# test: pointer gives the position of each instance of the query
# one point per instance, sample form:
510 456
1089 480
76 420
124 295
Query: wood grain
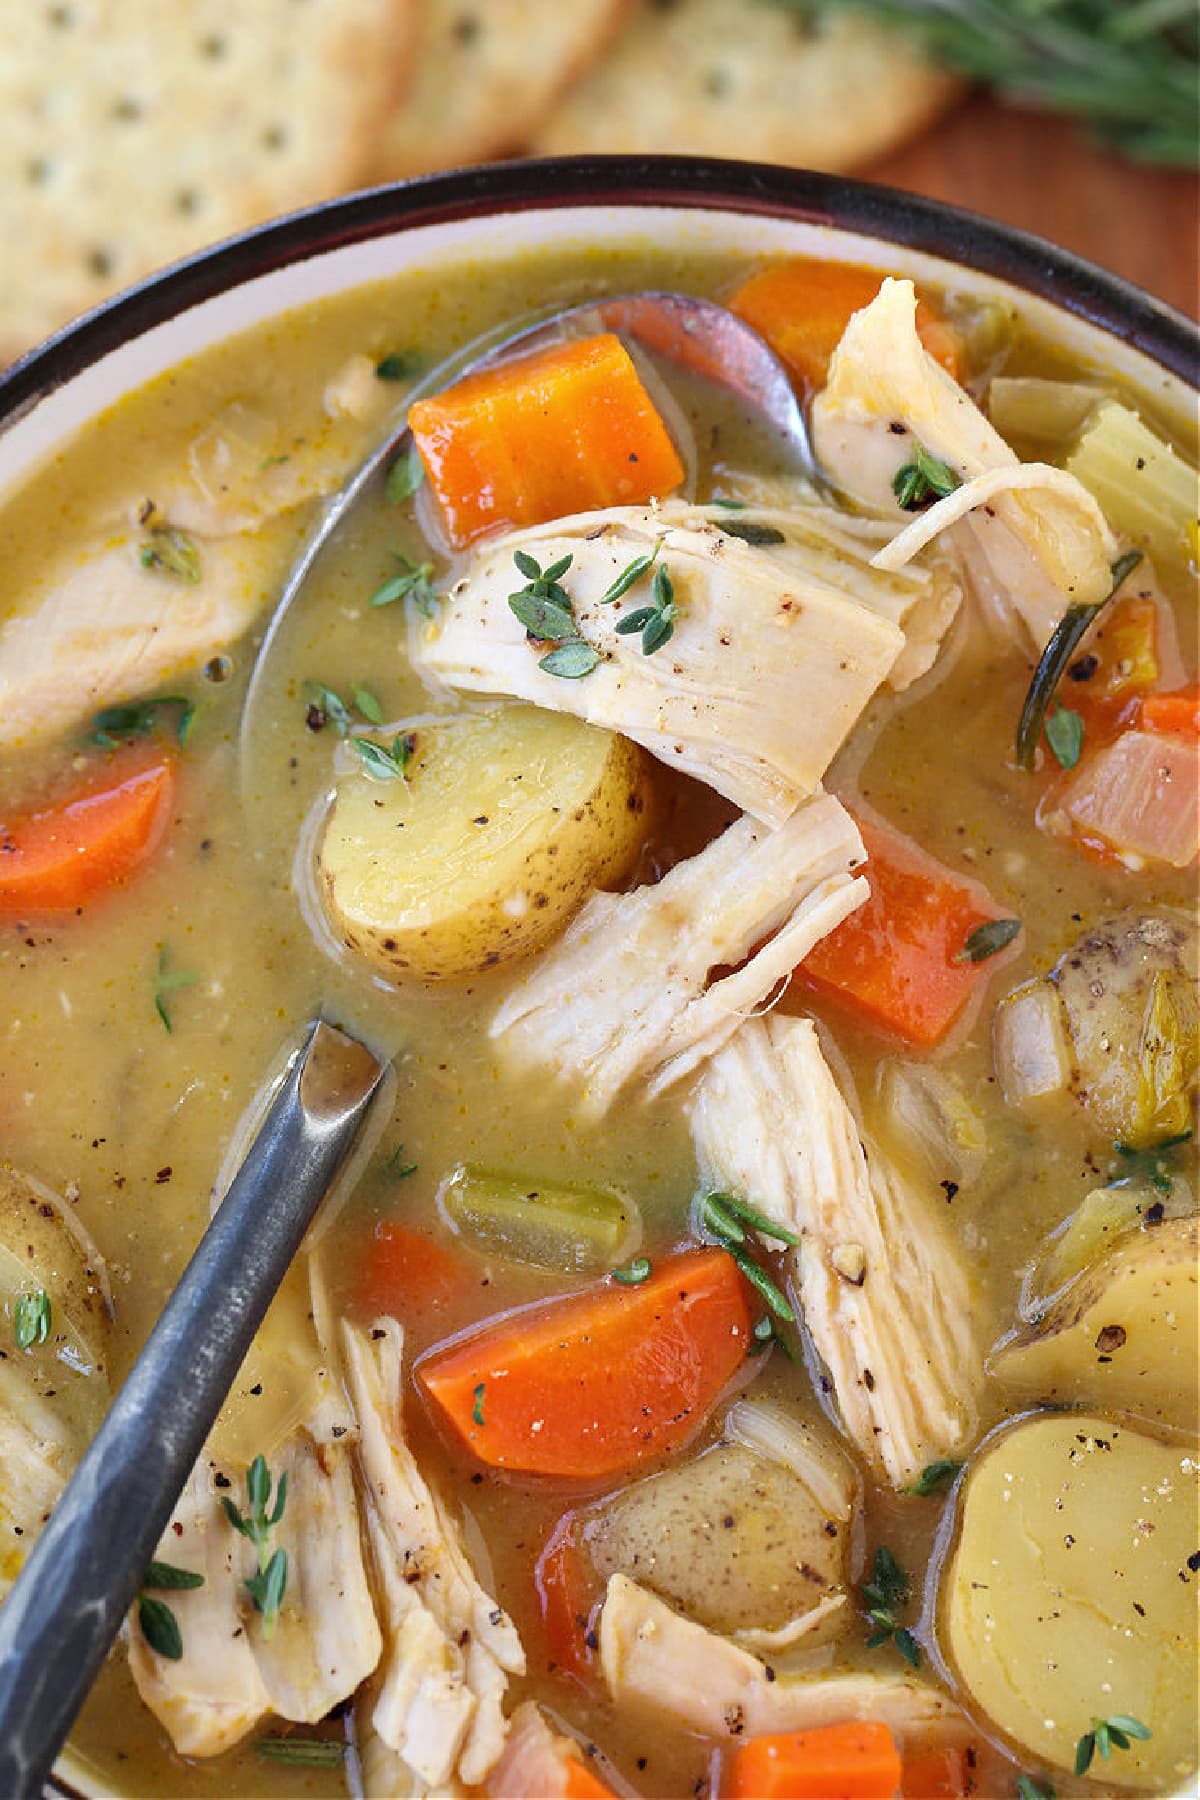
1041 173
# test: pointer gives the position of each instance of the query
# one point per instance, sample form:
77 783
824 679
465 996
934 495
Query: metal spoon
696 335
68 1602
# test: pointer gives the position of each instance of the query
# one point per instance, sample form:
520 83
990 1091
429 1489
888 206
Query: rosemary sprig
730 1221
1129 71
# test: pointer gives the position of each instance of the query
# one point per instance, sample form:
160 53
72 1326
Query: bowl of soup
754 1350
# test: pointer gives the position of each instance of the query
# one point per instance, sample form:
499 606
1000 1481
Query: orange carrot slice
594 1384
566 1601
802 308
857 1761
57 860
892 964
407 1274
560 431
1172 715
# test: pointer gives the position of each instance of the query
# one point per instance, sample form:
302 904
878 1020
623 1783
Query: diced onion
1029 1044
929 1119
772 1431
1140 795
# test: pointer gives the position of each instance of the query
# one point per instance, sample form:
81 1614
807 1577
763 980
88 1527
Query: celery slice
554 1225
1040 411
1167 1058
1146 489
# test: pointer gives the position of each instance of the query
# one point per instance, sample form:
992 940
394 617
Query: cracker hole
62 18
99 263
214 46
38 171
187 201
275 137
127 109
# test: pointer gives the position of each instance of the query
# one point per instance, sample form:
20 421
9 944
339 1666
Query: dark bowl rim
890 215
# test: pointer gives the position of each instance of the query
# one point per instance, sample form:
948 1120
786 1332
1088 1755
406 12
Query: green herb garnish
543 606
656 622
368 706
170 552
1105 1736
160 1627
1064 734
1149 1165
319 1753
1056 657
571 660
731 505
885 1594
1029 1789
398 366
631 574
395 1167
477 1407
750 532
634 1273
987 939
330 705
923 480
933 1477
169 981
114 723
404 477
1129 71
728 1219
413 582
268 1586
31 1319
168 1576
382 764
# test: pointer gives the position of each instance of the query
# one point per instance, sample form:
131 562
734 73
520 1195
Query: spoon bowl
696 336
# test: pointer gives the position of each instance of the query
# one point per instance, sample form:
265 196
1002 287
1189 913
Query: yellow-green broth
133 1120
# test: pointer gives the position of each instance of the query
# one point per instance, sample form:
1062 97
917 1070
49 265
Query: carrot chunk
936 1774
560 431
802 308
582 1783
892 964
594 1384
407 1274
857 1761
566 1601
57 860
1172 715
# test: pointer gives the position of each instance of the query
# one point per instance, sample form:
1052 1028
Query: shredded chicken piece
767 671
839 548
652 1656
104 629
769 1122
450 1647
326 1641
53 1395
1047 548
626 994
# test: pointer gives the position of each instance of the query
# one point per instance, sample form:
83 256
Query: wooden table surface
1041 173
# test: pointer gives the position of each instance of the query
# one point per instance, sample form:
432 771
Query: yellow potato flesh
1069 1594
505 823
1122 1336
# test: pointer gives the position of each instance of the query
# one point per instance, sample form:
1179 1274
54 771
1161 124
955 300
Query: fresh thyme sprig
543 606
268 1586
1107 1735
411 583
382 763
1129 72
656 622
885 1594
31 1319
924 479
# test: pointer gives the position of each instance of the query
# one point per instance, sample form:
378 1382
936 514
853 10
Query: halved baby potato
1070 1595
504 822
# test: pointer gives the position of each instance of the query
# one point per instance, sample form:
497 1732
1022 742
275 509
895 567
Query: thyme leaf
398 366
169 981
113 724
933 1477
571 660
404 477
1064 734
267 1587
160 1627
382 763
987 940
165 1575
923 480
31 1319
319 1753
631 574
170 552
750 532
1106 1735
413 582
1055 658
634 1273
477 1407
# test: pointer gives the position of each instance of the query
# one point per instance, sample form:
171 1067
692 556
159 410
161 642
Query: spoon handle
67 1605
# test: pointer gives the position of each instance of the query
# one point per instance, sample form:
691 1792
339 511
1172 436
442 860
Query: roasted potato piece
738 1540
1122 1335
1069 1595
502 824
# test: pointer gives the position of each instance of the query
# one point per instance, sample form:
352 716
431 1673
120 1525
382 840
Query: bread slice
131 133
729 78
487 74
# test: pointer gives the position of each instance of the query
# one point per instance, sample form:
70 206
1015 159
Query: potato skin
507 820
1122 1335
1068 1594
